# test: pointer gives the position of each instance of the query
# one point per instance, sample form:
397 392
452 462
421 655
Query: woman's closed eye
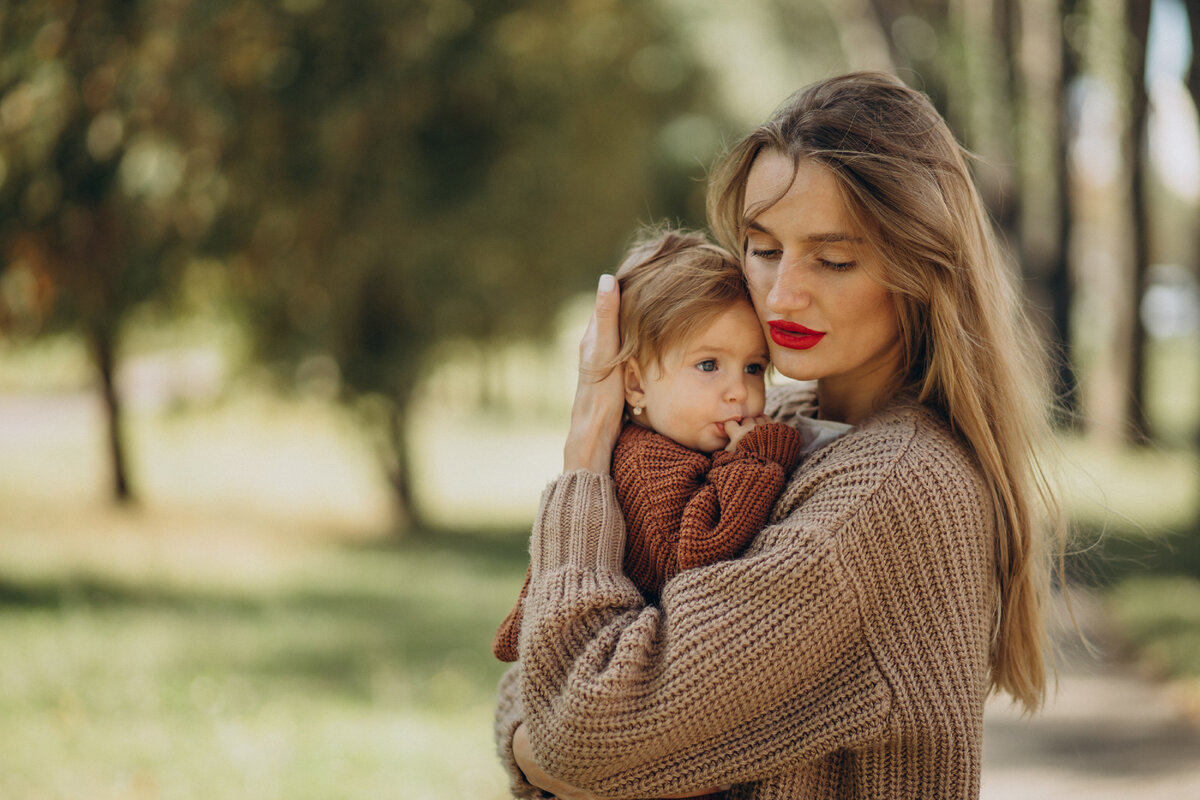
838 266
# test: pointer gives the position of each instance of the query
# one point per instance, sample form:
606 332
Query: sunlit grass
363 672
1161 614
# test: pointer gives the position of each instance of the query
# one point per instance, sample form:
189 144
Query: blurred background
290 292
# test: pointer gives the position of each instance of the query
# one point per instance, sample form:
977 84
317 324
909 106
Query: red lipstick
793 336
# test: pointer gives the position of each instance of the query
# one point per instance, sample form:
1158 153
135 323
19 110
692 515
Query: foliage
412 174
105 174
378 176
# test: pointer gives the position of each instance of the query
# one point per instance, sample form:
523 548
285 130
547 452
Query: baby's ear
632 375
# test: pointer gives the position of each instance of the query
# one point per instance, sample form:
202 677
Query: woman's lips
793 336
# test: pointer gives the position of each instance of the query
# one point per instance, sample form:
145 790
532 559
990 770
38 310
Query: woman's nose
790 291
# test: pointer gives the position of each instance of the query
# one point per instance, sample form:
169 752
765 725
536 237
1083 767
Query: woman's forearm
620 701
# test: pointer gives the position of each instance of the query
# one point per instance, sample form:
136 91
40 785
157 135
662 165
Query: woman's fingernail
607 282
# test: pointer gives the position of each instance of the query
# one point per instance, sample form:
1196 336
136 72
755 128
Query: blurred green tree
97 140
379 177
409 173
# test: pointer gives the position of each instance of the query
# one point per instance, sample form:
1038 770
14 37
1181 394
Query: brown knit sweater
683 508
844 655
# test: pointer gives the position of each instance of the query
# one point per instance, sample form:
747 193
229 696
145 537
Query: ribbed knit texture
683 508
844 655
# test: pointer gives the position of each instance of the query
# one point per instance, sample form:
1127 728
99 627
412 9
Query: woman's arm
747 666
595 424
564 791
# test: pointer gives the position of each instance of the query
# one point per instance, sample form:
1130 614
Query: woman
900 578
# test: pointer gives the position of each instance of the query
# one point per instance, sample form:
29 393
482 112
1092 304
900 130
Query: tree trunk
389 418
1060 283
1138 18
1193 77
1193 84
103 350
863 41
1041 67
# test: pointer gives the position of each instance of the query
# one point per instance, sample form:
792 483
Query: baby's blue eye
755 369
708 365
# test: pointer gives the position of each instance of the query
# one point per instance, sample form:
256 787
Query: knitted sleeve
655 479
746 668
732 506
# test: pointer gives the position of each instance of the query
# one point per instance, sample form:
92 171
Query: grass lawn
252 630
353 670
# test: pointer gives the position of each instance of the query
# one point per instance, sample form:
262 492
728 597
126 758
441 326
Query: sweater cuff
579 524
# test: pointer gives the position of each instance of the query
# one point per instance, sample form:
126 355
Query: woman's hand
523 755
596 412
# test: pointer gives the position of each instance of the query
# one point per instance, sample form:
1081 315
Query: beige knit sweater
844 655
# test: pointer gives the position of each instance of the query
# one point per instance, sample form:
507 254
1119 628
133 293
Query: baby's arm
742 486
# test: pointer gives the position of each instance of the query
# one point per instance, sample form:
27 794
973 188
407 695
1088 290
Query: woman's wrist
590 445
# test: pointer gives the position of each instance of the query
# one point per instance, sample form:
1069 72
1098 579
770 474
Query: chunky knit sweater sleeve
844 655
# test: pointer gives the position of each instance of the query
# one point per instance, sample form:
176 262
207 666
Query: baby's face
716 376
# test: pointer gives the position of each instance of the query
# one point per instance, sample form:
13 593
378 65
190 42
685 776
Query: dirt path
1110 733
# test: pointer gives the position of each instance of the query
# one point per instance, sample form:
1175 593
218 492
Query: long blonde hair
969 351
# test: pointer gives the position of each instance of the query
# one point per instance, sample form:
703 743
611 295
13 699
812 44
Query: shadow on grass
97 591
501 548
362 622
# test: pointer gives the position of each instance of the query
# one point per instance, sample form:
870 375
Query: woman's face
810 276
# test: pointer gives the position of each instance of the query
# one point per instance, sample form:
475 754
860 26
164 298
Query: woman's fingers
602 339
523 755
599 397
606 315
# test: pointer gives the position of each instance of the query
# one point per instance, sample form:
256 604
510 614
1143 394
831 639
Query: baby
697 466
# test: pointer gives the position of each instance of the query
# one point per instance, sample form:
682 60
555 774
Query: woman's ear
635 395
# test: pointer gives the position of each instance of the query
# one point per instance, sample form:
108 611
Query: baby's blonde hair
673 285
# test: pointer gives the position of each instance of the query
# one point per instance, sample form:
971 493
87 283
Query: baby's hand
735 430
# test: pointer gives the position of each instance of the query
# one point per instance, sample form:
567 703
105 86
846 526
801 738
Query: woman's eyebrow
833 238
812 238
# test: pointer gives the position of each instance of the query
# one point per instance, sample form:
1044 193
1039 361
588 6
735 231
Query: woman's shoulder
903 446
913 435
